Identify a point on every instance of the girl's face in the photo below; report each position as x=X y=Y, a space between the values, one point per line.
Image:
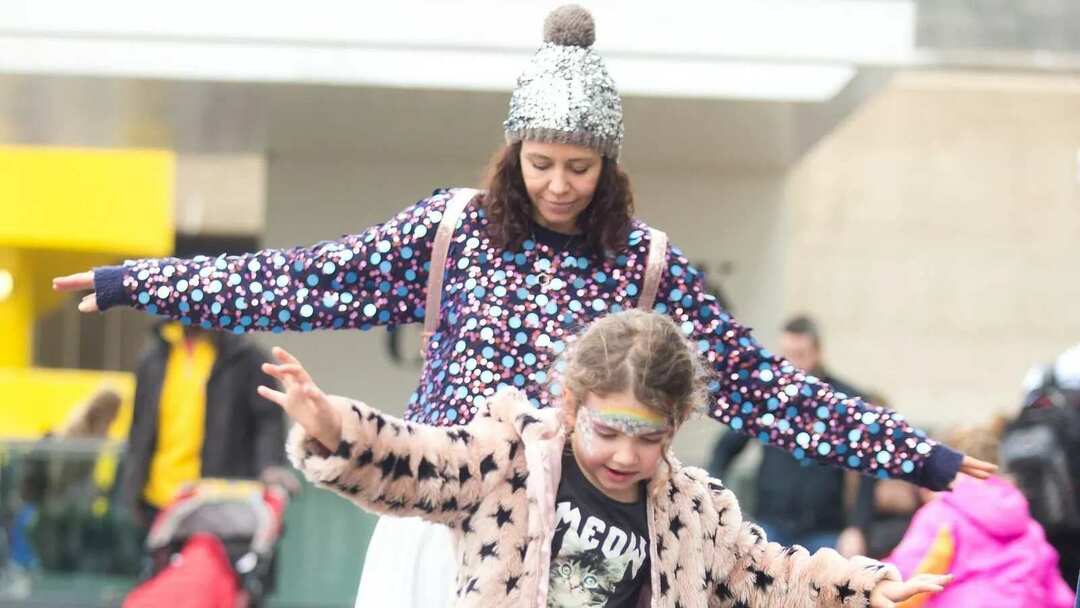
x=617 y=442
x=560 y=180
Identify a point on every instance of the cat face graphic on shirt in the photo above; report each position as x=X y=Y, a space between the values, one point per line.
x=593 y=558
x=581 y=577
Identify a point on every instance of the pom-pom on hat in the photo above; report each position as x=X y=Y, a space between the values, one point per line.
x=565 y=94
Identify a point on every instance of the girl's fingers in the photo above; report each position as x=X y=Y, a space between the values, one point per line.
x=272 y=370
x=923 y=583
x=923 y=588
x=290 y=364
x=270 y=394
x=74 y=282
x=934 y=580
x=287 y=370
x=285 y=356
x=313 y=392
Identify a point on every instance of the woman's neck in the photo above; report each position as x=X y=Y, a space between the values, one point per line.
x=567 y=228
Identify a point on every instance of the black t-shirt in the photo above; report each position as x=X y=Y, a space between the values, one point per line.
x=600 y=552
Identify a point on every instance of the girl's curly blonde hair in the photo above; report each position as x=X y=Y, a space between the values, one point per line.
x=644 y=352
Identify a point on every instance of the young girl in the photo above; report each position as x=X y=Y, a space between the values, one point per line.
x=582 y=505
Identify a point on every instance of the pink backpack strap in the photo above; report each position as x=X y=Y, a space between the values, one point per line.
x=654 y=268
x=451 y=214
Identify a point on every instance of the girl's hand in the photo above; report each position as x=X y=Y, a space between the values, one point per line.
x=302 y=400
x=887 y=593
x=979 y=469
x=79 y=282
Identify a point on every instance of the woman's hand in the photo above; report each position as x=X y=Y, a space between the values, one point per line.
x=887 y=593
x=302 y=400
x=979 y=469
x=79 y=282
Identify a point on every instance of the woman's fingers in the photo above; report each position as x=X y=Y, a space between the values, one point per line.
x=979 y=469
x=88 y=303
x=74 y=282
x=79 y=282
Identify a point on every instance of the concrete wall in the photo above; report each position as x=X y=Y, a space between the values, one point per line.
x=936 y=235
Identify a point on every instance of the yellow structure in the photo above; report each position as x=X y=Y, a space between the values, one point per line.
x=62 y=211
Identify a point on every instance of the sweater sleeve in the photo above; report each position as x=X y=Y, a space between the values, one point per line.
x=762 y=395
x=392 y=467
x=748 y=570
x=376 y=277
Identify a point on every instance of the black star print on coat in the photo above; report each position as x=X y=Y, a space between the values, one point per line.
x=503 y=516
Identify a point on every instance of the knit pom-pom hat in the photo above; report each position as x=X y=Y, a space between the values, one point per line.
x=565 y=94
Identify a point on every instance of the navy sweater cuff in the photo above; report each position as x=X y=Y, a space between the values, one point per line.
x=941 y=468
x=109 y=287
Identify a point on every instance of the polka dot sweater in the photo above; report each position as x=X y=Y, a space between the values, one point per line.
x=505 y=318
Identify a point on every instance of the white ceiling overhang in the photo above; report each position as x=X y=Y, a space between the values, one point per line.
x=790 y=51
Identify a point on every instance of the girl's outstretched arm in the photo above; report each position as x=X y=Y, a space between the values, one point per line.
x=384 y=464
x=746 y=567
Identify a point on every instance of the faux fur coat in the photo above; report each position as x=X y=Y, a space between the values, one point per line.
x=494 y=484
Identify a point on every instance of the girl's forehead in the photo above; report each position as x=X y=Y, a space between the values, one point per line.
x=630 y=418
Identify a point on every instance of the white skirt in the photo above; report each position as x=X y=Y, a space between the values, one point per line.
x=409 y=564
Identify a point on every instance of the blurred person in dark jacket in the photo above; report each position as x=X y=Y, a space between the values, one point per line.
x=197 y=415
x=799 y=502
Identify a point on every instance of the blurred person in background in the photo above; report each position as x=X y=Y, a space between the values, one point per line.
x=895 y=504
x=798 y=501
x=197 y=414
x=548 y=246
x=1041 y=452
x=983 y=534
x=56 y=520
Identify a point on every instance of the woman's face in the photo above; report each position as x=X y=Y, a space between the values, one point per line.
x=561 y=180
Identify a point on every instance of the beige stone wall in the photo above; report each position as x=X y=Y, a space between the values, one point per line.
x=936 y=235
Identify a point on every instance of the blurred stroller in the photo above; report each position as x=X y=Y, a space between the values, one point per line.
x=214 y=546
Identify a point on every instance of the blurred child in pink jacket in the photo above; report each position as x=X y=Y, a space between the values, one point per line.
x=983 y=534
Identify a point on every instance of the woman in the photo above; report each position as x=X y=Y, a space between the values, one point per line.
x=550 y=245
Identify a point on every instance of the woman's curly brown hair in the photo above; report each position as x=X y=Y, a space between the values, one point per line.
x=605 y=222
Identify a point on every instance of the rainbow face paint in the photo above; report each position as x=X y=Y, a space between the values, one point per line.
x=630 y=420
